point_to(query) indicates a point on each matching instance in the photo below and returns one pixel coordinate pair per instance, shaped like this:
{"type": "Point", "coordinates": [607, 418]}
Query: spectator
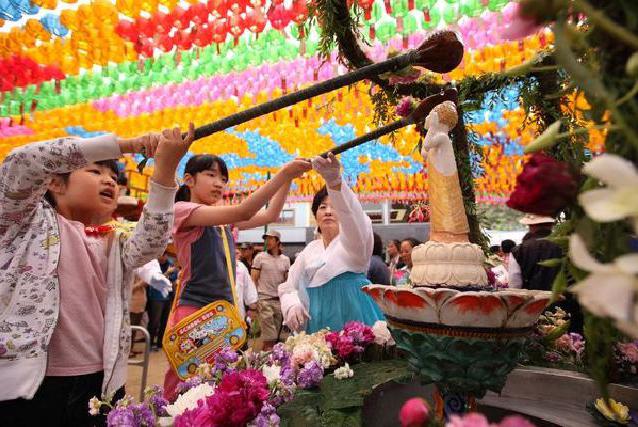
{"type": "Point", "coordinates": [269, 270]}
{"type": "Point", "coordinates": [246, 291]}
{"type": "Point", "coordinates": [147, 275]}
{"type": "Point", "coordinates": [159, 304]}
{"type": "Point", "coordinates": [393, 256]}
{"type": "Point", "coordinates": [524, 270]}
{"type": "Point", "coordinates": [247, 251]}
{"type": "Point", "coordinates": [402, 275]}
{"type": "Point", "coordinates": [378, 272]}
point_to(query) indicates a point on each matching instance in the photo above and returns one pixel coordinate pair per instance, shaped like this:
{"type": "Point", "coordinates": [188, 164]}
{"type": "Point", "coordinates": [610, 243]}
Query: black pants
{"type": "Point", "coordinates": [59, 402]}
{"type": "Point", "coordinates": [157, 317]}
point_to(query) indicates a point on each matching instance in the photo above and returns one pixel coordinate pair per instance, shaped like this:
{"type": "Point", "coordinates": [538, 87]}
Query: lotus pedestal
{"type": "Point", "coordinates": [465, 342]}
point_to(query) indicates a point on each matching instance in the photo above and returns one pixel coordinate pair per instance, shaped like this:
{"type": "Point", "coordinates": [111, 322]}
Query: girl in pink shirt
{"type": "Point", "coordinates": [200, 220]}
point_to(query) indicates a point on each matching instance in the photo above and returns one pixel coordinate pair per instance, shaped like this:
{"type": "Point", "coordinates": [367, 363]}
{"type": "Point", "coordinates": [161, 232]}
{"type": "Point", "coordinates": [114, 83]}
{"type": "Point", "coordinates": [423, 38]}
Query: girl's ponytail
{"type": "Point", "coordinates": [183, 194]}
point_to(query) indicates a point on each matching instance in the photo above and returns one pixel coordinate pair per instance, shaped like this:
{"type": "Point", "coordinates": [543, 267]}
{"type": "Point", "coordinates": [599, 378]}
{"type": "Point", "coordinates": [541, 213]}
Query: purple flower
{"type": "Point", "coordinates": [223, 359]}
{"type": "Point", "coordinates": [405, 106]}
{"type": "Point", "coordinates": [287, 374]}
{"type": "Point", "coordinates": [121, 417]}
{"type": "Point", "coordinates": [267, 417]}
{"type": "Point", "coordinates": [143, 415]}
{"type": "Point", "coordinates": [552, 356]}
{"type": "Point", "coordinates": [280, 355]}
{"type": "Point", "coordinates": [158, 403]}
{"type": "Point", "coordinates": [192, 382]}
{"type": "Point", "coordinates": [310, 375]}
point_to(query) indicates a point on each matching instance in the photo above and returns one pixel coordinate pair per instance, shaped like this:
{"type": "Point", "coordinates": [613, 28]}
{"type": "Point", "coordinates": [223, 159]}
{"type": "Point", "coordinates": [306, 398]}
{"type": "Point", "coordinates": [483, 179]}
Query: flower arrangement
{"type": "Point", "coordinates": [552, 345]}
{"type": "Point", "coordinates": [351, 341]}
{"type": "Point", "coordinates": [247, 388]}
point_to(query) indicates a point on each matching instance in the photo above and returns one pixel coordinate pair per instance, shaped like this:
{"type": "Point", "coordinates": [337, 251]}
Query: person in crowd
{"type": "Point", "coordinates": [324, 285]}
{"type": "Point", "coordinates": [402, 275]}
{"type": "Point", "coordinates": [497, 273]}
{"type": "Point", "coordinates": [159, 303]}
{"type": "Point", "coordinates": [393, 250]}
{"type": "Point", "coordinates": [269, 270]}
{"type": "Point", "coordinates": [378, 273]}
{"type": "Point", "coordinates": [524, 270]}
{"type": "Point", "coordinates": [147, 278]}
{"type": "Point", "coordinates": [247, 296]}
{"type": "Point", "coordinates": [203, 235]}
{"type": "Point", "coordinates": [68, 269]}
{"type": "Point", "coordinates": [247, 251]}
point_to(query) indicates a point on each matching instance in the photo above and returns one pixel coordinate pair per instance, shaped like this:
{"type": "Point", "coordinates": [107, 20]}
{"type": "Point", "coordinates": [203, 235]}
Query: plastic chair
{"type": "Point", "coordinates": [144, 362]}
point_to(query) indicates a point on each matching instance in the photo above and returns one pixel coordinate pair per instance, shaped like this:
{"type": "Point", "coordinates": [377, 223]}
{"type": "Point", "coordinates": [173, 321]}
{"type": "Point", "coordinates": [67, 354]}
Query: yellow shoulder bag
{"type": "Point", "coordinates": [196, 338]}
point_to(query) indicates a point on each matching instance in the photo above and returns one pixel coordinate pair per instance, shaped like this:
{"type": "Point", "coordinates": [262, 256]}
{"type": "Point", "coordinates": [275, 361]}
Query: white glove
{"type": "Point", "coordinates": [161, 283]}
{"type": "Point", "coordinates": [329, 169]}
{"type": "Point", "coordinates": [296, 317]}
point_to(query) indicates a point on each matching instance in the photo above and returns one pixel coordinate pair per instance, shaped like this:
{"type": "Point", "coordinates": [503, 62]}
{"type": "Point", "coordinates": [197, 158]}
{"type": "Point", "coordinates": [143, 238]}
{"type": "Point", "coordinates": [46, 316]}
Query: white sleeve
{"type": "Point", "coordinates": [289, 290]}
{"type": "Point", "coordinates": [250, 291]}
{"type": "Point", "coordinates": [356, 227]}
{"type": "Point", "coordinates": [514, 273]}
{"type": "Point", "coordinates": [151, 273]}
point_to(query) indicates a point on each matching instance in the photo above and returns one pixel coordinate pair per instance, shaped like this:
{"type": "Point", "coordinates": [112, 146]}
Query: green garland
{"type": "Point", "coordinates": [595, 59]}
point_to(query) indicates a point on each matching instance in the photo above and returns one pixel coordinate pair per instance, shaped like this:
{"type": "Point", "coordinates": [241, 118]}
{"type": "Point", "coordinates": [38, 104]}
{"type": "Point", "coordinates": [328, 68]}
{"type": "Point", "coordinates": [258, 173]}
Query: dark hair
{"type": "Point", "coordinates": [413, 242]}
{"type": "Point", "coordinates": [396, 243]}
{"type": "Point", "coordinates": [320, 196]}
{"type": "Point", "coordinates": [377, 249]}
{"type": "Point", "coordinates": [111, 164]}
{"type": "Point", "coordinates": [507, 246]}
{"type": "Point", "coordinates": [196, 164]}
{"type": "Point", "coordinates": [494, 249]}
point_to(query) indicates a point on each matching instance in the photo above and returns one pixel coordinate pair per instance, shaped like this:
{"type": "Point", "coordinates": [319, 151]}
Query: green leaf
{"type": "Point", "coordinates": [545, 140]}
{"type": "Point", "coordinates": [340, 394]}
{"type": "Point", "coordinates": [560, 284]}
{"type": "Point", "coordinates": [553, 262]}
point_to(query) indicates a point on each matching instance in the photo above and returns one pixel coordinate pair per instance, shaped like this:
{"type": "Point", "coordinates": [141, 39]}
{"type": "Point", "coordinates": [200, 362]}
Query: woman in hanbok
{"type": "Point", "coordinates": [323, 289]}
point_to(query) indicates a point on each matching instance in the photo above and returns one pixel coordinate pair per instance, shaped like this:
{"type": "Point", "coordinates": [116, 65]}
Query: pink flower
{"type": "Point", "coordinates": [414, 413]}
{"type": "Point", "coordinates": [302, 354]}
{"type": "Point", "coordinates": [197, 417]}
{"type": "Point", "coordinates": [629, 351]}
{"type": "Point", "coordinates": [520, 26]}
{"type": "Point", "coordinates": [238, 399]}
{"type": "Point", "coordinates": [564, 343]}
{"type": "Point", "coordinates": [515, 421]}
{"type": "Point", "coordinates": [472, 419]}
{"type": "Point", "coordinates": [405, 106]}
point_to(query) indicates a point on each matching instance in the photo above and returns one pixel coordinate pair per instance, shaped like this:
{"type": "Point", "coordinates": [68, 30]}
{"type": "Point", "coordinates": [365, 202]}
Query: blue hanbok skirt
{"type": "Point", "coordinates": [339, 301]}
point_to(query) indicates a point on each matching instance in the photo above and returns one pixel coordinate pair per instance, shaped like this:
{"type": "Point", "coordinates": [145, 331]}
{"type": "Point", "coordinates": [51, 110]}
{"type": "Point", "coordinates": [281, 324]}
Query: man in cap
{"type": "Point", "coordinates": [524, 270]}
{"type": "Point", "coordinates": [269, 270]}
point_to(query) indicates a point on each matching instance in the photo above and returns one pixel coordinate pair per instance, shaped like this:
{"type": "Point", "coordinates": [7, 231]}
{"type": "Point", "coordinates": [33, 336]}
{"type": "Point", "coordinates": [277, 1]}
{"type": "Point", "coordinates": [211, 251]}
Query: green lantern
{"type": "Point", "coordinates": [431, 18]}
{"type": "Point", "coordinates": [400, 8]}
{"type": "Point", "coordinates": [385, 30]}
{"type": "Point", "coordinates": [471, 8]}
{"type": "Point", "coordinates": [450, 14]}
{"type": "Point", "coordinates": [496, 5]}
{"type": "Point", "coordinates": [410, 25]}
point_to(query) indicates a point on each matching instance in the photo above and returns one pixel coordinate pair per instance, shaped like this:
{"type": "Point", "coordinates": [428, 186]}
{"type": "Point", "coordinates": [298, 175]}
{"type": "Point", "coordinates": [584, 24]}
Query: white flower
{"type": "Point", "coordinates": [189, 399]}
{"type": "Point", "coordinates": [382, 335]}
{"type": "Point", "coordinates": [94, 406]}
{"type": "Point", "coordinates": [610, 290]}
{"type": "Point", "coordinates": [272, 373]}
{"type": "Point", "coordinates": [619, 199]}
{"type": "Point", "coordinates": [344, 372]}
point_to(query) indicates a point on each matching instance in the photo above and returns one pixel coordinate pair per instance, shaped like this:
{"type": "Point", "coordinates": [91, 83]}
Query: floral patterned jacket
{"type": "Point", "coordinates": [29, 252]}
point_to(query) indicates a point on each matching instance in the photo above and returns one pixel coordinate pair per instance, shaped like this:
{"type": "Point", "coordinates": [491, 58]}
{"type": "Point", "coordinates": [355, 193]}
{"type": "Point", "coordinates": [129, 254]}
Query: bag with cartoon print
{"type": "Point", "coordinates": [197, 338]}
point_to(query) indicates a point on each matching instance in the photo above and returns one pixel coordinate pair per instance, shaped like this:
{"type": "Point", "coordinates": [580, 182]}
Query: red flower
{"type": "Point", "coordinates": [414, 413]}
{"type": "Point", "coordinates": [544, 187]}
{"type": "Point", "coordinates": [238, 398]}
